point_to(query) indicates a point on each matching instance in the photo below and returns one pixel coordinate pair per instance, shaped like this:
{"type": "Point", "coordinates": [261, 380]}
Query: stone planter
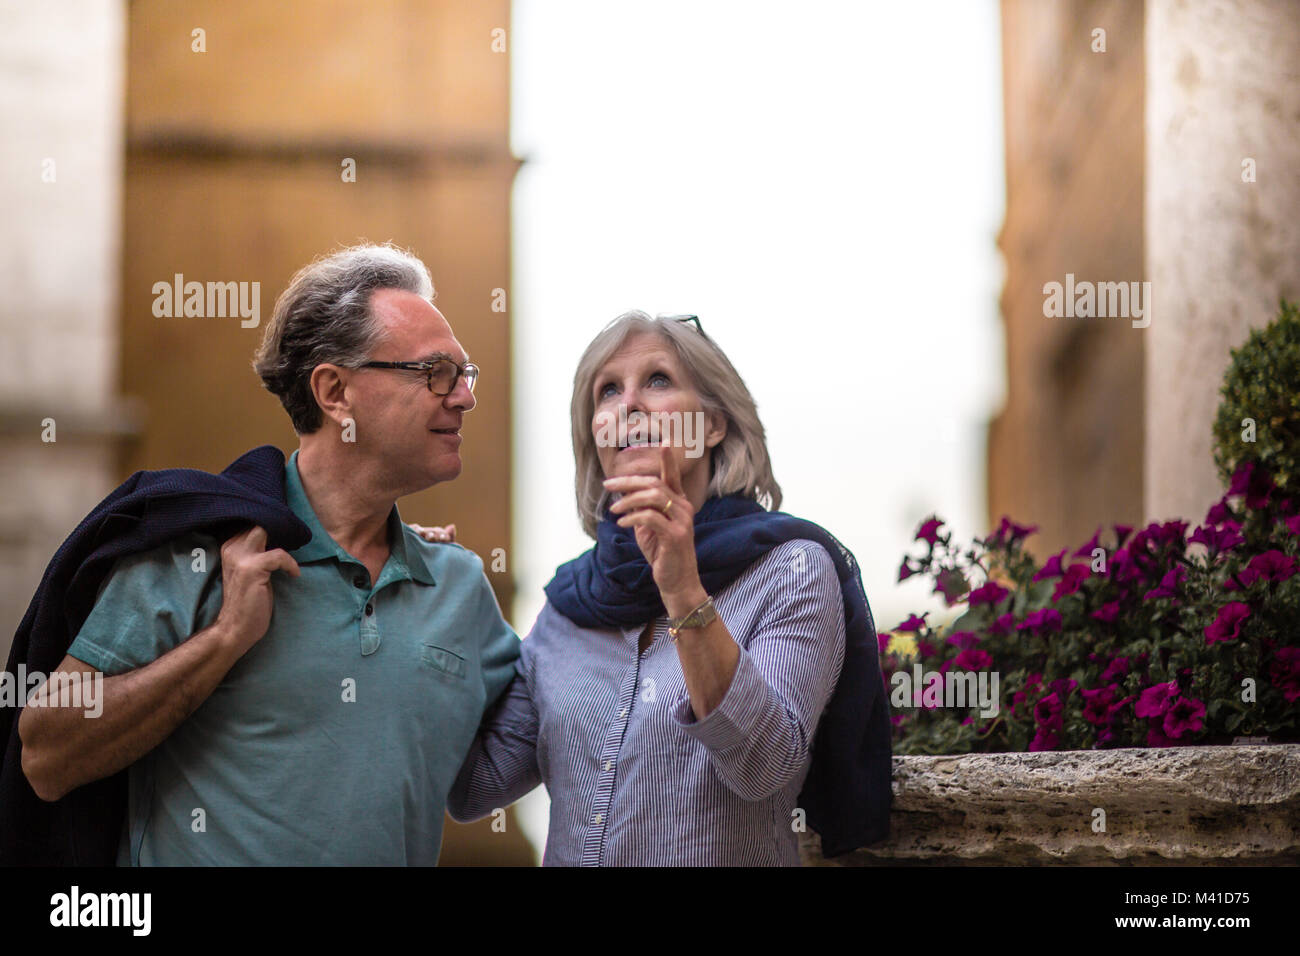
{"type": "Point", "coordinates": [1183, 805]}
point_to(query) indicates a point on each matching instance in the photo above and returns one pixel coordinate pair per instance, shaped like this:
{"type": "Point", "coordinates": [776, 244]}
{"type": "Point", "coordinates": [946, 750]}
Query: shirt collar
{"type": "Point", "coordinates": [403, 561]}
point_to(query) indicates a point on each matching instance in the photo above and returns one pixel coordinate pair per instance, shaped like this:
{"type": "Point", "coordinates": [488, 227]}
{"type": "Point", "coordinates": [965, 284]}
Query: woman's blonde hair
{"type": "Point", "coordinates": [739, 463]}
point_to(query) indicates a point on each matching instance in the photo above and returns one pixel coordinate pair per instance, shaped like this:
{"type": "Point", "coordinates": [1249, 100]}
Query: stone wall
{"type": "Point", "coordinates": [1181, 806]}
{"type": "Point", "coordinates": [1221, 90]}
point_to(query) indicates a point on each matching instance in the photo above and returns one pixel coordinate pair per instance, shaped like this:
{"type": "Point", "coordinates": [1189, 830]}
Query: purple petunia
{"type": "Point", "coordinates": [1071, 582]}
{"type": "Point", "coordinates": [973, 659]}
{"type": "Point", "coordinates": [1117, 668]}
{"type": "Point", "coordinates": [1185, 716]}
{"type": "Point", "coordinates": [1108, 612]}
{"type": "Point", "coordinates": [913, 623]}
{"type": "Point", "coordinates": [929, 531]}
{"type": "Point", "coordinates": [1168, 587]}
{"type": "Point", "coordinates": [990, 593]}
{"type": "Point", "coordinates": [1227, 625]}
{"type": "Point", "coordinates": [1003, 625]}
{"type": "Point", "coordinates": [1286, 673]}
{"type": "Point", "coordinates": [1154, 701]}
{"type": "Point", "coordinates": [1052, 569]}
{"type": "Point", "coordinates": [963, 639]}
{"type": "Point", "coordinates": [1046, 619]}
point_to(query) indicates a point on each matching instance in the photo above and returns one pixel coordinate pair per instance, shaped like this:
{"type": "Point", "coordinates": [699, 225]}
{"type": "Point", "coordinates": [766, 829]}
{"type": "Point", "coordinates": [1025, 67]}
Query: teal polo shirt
{"type": "Point", "coordinates": [335, 739]}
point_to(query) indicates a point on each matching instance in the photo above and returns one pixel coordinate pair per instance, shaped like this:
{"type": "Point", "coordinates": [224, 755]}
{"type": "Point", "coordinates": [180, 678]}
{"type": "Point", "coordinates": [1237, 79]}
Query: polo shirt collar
{"type": "Point", "coordinates": [402, 563]}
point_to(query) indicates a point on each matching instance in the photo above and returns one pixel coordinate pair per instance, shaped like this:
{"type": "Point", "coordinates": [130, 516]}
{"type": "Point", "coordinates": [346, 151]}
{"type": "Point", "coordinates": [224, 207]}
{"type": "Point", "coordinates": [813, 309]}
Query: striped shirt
{"type": "Point", "coordinates": [634, 779]}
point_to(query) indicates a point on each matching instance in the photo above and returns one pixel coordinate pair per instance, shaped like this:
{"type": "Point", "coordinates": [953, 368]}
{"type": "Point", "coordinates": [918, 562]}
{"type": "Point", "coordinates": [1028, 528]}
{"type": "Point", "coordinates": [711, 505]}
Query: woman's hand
{"type": "Point", "coordinates": [435, 533]}
{"type": "Point", "coordinates": [666, 540]}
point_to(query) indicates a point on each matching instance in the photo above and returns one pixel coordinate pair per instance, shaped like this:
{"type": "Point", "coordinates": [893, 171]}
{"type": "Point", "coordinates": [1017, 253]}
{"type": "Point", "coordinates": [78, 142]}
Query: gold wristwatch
{"type": "Point", "coordinates": [702, 616]}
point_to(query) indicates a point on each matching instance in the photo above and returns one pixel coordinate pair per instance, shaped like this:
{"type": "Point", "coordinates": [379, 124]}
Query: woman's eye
{"type": "Point", "coordinates": [605, 391]}
{"type": "Point", "coordinates": [661, 377]}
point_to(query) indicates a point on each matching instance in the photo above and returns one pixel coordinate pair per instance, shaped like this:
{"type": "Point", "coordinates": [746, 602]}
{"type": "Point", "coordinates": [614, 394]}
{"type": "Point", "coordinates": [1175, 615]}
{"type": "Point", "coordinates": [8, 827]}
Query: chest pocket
{"type": "Point", "coordinates": [446, 663]}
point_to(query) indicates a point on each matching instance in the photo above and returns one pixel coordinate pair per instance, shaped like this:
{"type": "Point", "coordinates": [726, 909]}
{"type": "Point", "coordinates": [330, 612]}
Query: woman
{"type": "Point", "coordinates": [678, 693]}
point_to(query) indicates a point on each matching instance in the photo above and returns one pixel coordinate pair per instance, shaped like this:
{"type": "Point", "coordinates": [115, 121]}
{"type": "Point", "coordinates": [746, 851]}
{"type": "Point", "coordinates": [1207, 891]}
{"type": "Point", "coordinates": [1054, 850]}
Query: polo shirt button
{"type": "Point", "coordinates": [623, 712]}
{"type": "Point", "coordinates": [598, 818]}
{"type": "Point", "coordinates": [370, 609]}
{"type": "Point", "coordinates": [360, 582]}
{"type": "Point", "coordinates": [609, 765]}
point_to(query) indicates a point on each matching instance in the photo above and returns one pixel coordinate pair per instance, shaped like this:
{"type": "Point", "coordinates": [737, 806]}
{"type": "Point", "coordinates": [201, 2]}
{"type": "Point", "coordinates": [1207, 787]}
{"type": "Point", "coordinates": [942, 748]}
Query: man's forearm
{"type": "Point", "coordinates": [64, 748]}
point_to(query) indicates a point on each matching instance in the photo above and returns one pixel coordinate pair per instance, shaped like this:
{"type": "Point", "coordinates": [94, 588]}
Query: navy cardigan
{"type": "Point", "coordinates": [149, 509]}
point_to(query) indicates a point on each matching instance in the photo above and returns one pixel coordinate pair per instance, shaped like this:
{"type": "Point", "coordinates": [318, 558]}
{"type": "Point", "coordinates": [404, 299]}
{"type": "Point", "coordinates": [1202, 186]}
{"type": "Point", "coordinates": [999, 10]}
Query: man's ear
{"type": "Point", "coordinates": [329, 387]}
{"type": "Point", "coordinates": [716, 423]}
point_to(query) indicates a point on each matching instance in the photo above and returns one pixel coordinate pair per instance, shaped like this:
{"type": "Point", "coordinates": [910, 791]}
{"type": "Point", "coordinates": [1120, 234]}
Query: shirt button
{"type": "Point", "coordinates": [609, 765]}
{"type": "Point", "coordinates": [623, 712]}
{"type": "Point", "coordinates": [370, 609]}
{"type": "Point", "coordinates": [598, 818]}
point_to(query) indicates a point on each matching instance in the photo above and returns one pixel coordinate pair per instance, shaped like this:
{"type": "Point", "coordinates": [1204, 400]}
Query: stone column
{"type": "Point", "coordinates": [1223, 88]}
{"type": "Point", "coordinates": [62, 71]}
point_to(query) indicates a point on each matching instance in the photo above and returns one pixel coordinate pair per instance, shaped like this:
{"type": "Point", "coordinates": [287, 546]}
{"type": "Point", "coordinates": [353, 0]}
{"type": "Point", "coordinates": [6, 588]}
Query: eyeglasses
{"type": "Point", "coordinates": [441, 375]}
{"type": "Point", "coordinates": [683, 318]}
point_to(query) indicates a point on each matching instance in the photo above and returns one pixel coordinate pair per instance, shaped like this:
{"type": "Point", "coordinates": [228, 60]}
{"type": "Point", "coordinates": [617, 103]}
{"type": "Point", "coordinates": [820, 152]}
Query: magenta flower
{"type": "Point", "coordinates": [1003, 625]}
{"type": "Point", "coordinates": [1046, 619]}
{"type": "Point", "coordinates": [1227, 626]}
{"type": "Point", "coordinates": [1272, 565]}
{"type": "Point", "coordinates": [1286, 673]}
{"type": "Point", "coordinates": [905, 570]}
{"type": "Point", "coordinates": [929, 531]}
{"type": "Point", "coordinates": [990, 593]}
{"type": "Point", "coordinates": [1044, 739]}
{"type": "Point", "coordinates": [1009, 532]}
{"type": "Point", "coordinates": [1062, 686]}
{"type": "Point", "coordinates": [1185, 716]}
{"type": "Point", "coordinates": [1122, 531]}
{"type": "Point", "coordinates": [1168, 587]}
{"type": "Point", "coordinates": [1254, 483]}
{"type": "Point", "coordinates": [963, 639]}
{"type": "Point", "coordinates": [1052, 569]}
{"type": "Point", "coordinates": [973, 659]}
{"type": "Point", "coordinates": [1219, 512]}
{"type": "Point", "coordinates": [1086, 549]}
{"type": "Point", "coordinates": [1293, 524]}
{"type": "Point", "coordinates": [913, 623]}
{"type": "Point", "coordinates": [1108, 612]}
{"type": "Point", "coordinates": [1218, 540]}
{"type": "Point", "coordinates": [1073, 579]}
{"type": "Point", "coordinates": [1155, 701]}
{"type": "Point", "coordinates": [883, 641]}
{"type": "Point", "coordinates": [1117, 668]}
{"type": "Point", "coordinates": [1156, 736]}
{"type": "Point", "coordinates": [926, 648]}
{"type": "Point", "coordinates": [1096, 707]}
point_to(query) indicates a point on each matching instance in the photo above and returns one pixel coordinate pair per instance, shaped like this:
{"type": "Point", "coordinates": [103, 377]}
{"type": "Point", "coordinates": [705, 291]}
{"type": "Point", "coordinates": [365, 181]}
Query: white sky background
{"type": "Point", "coordinates": [822, 183]}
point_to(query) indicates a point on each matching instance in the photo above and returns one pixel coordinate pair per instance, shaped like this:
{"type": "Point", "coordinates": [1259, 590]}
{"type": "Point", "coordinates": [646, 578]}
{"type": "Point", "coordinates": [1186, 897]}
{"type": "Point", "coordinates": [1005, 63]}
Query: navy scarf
{"type": "Point", "coordinates": [846, 794]}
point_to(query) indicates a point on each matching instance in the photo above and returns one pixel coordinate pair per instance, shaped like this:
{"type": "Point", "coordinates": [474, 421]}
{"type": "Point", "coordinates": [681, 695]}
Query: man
{"type": "Point", "coordinates": [311, 706]}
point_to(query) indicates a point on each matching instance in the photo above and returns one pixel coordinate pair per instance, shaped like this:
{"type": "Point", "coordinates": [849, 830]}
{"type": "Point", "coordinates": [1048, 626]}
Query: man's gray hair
{"type": "Point", "coordinates": [324, 316]}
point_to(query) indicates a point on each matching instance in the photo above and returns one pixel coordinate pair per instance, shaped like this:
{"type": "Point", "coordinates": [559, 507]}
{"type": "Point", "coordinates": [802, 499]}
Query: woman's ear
{"type": "Point", "coordinates": [716, 425]}
{"type": "Point", "coordinates": [329, 388]}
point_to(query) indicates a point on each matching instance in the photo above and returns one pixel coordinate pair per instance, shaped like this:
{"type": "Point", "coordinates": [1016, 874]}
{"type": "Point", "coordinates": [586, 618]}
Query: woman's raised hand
{"type": "Point", "coordinates": [664, 522]}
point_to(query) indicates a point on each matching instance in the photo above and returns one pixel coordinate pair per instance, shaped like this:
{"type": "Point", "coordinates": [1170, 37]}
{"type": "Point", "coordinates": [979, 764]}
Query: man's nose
{"type": "Point", "coordinates": [460, 396]}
